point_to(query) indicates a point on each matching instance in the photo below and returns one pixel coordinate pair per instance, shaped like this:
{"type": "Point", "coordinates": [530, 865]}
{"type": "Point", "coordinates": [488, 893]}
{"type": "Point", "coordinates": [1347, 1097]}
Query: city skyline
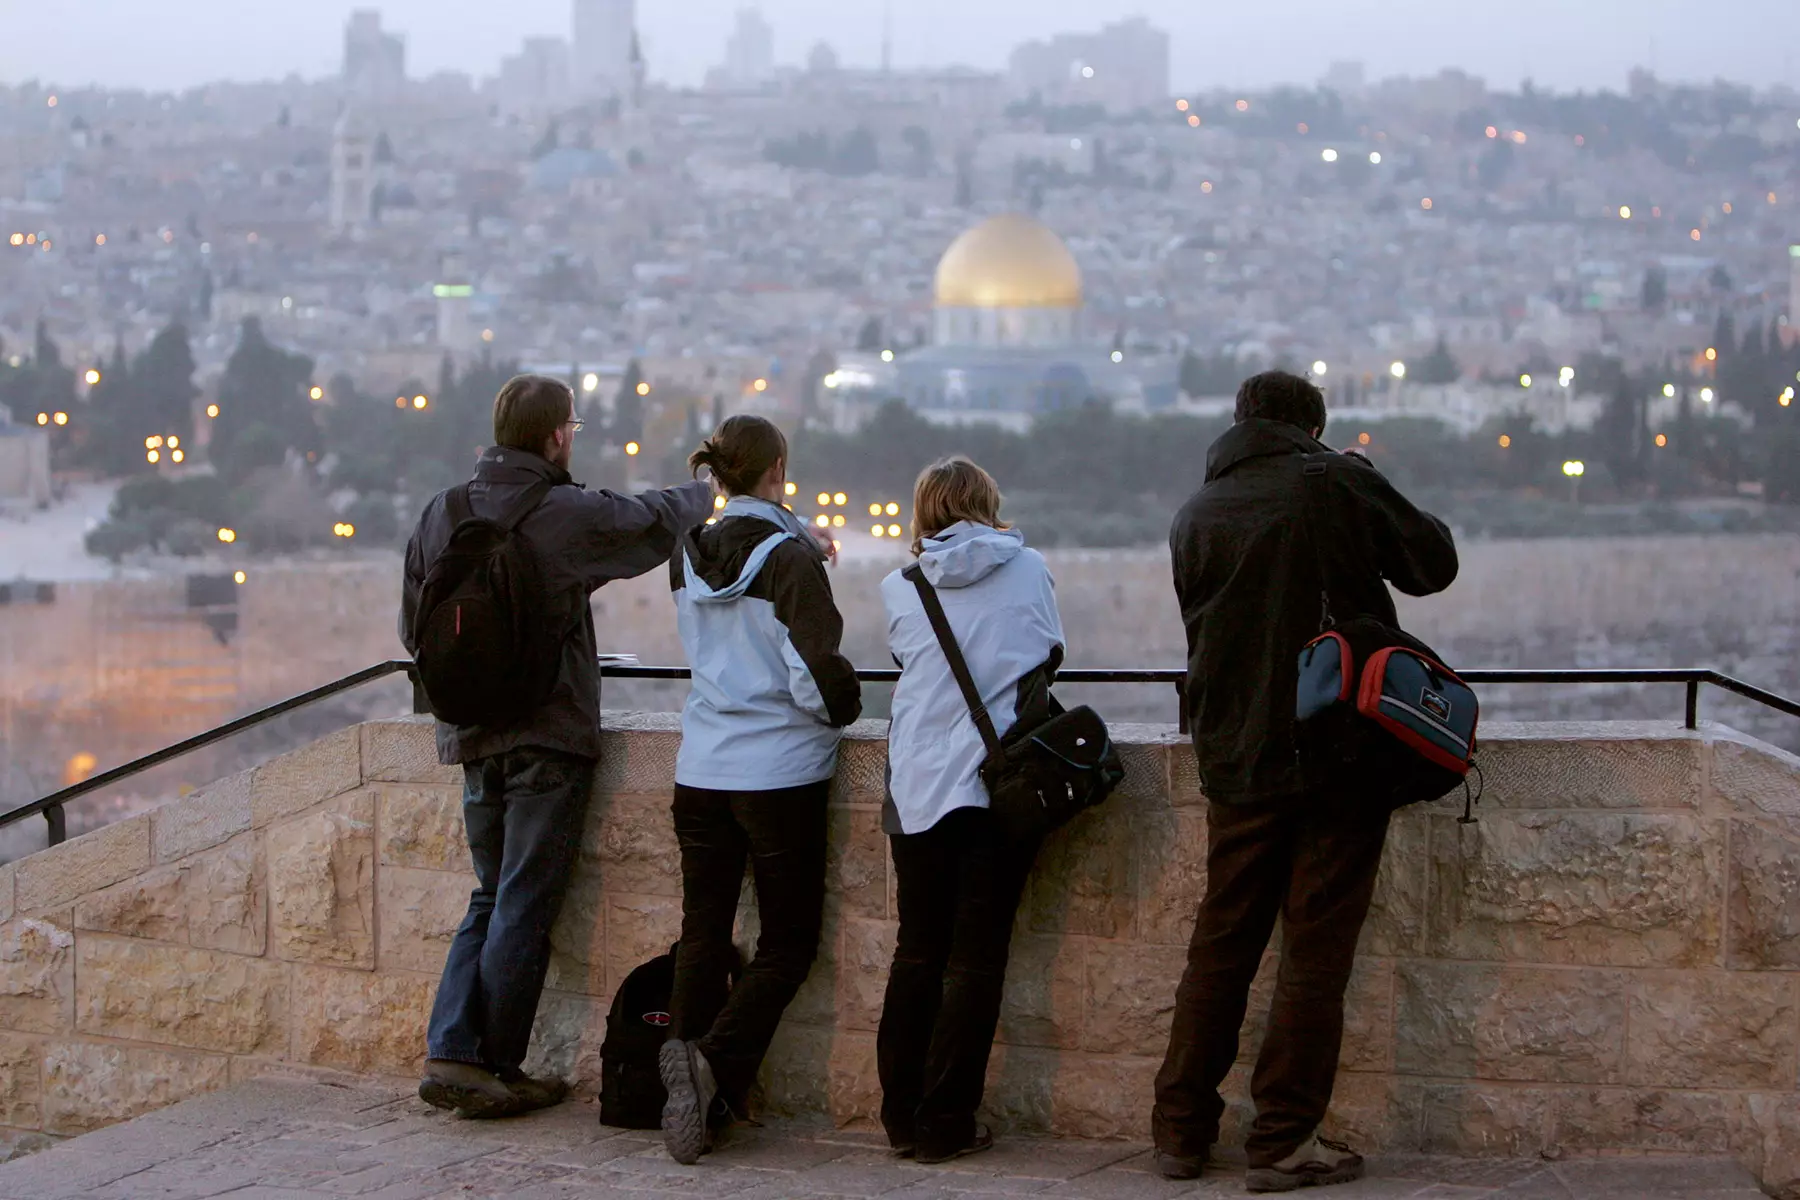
{"type": "Point", "coordinates": [190, 42]}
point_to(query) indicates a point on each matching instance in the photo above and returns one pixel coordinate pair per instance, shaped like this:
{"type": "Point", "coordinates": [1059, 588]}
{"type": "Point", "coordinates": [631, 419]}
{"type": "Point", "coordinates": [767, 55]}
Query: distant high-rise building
{"type": "Point", "coordinates": [354, 172]}
{"type": "Point", "coordinates": [605, 60]}
{"type": "Point", "coordinates": [1123, 67]}
{"type": "Point", "coordinates": [1346, 78]}
{"type": "Point", "coordinates": [750, 52]}
{"type": "Point", "coordinates": [536, 79]}
{"type": "Point", "coordinates": [374, 60]}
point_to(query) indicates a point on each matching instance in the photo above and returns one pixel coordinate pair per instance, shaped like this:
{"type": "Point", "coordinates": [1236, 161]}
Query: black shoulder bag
{"type": "Point", "coordinates": [1050, 767]}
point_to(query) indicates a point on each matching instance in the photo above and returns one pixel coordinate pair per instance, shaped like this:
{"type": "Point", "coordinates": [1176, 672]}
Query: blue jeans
{"type": "Point", "coordinates": [524, 811]}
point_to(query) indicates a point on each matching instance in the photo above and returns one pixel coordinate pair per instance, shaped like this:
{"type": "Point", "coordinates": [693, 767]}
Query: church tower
{"type": "Point", "coordinates": [353, 173]}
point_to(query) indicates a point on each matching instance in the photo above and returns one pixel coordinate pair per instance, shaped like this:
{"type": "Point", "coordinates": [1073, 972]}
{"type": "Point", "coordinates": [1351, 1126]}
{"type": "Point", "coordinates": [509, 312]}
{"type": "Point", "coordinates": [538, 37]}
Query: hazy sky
{"type": "Point", "coordinates": [1558, 43]}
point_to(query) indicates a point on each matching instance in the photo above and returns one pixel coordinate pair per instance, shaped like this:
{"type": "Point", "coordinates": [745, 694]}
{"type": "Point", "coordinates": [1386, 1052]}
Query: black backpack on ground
{"type": "Point", "coordinates": [631, 1086]}
{"type": "Point", "coordinates": [1052, 764]}
{"type": "Point", "coordinates": [489, 646]}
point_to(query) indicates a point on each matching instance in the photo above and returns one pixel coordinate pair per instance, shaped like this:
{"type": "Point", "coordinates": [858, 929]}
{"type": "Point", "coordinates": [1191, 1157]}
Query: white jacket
{"type": "Point", "coordinates": [1001, 602]}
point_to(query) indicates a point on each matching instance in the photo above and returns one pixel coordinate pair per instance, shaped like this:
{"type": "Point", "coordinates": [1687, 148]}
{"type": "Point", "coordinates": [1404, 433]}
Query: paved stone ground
{"type": "Point", "coordinates": [304, 1141]}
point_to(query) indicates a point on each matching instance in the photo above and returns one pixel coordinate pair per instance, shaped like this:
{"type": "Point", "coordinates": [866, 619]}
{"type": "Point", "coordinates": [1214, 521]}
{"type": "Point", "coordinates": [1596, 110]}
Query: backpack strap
{"type": "Point", "coordinates": [457, 506]}
{"type": "Point", "coordinates": [1314, 501]}
{"type": "Point", "coordinates": [959, 667]}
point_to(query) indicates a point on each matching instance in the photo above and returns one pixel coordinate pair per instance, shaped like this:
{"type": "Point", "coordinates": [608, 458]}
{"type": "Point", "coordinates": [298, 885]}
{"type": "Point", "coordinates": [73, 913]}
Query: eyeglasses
{"type": "Point", "coordinates": [575, 424]}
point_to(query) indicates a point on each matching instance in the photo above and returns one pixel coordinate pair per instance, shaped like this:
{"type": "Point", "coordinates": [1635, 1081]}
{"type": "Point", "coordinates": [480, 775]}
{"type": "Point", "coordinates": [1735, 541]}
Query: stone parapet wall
{"type": "Point", "coordinates": [1609, 961]}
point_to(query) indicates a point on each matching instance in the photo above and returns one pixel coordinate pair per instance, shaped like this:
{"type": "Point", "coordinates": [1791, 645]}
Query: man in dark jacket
{"type": "Point", "coordinates": [1279, 844]}
{"type": "Point", "coordinates": [526, 784]}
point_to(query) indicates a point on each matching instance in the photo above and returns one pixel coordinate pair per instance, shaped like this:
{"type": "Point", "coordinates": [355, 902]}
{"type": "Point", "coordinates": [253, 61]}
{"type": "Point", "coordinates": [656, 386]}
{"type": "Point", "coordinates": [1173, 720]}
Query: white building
{"type": "Point", "coordinates": [536, 80]}
{"type": "Point", "coordinates": [1123, 67]}
{"type": "Point", "coordinates": [604, 65]}
{"type": "Point", "coordinates": [750, 52]}
{"type": "Point", "coordinates": [454, 294]}
{"type": "Point", "coordinates": [374, 60]}
{"type": "Point", "coordinates": [353, 172]}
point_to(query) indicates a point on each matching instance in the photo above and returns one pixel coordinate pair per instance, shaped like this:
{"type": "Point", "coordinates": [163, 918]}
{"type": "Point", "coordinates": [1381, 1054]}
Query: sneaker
{"type": "Point", "coordinates": [983, 1140]}
{"type": "Point", "coordinates": [688, 1078]}
{"type": "Point", "coordinates": [1179, 1166]}
{"type": "Point", "coordinates": [1315, 1164]}
{"type": "Point", "coordinates": [467, 1090]}
{"type": "Point", "coordinates": [533, 1094]}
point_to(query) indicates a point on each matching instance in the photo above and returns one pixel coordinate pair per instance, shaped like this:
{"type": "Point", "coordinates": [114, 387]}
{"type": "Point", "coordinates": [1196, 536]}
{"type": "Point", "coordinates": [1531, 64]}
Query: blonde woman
{"type": "Point", "coordinates": [959, 881]}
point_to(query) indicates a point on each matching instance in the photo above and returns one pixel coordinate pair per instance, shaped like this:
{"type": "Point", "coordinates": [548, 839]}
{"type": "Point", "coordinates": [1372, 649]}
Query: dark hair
{"type": "Point", "coordinates": [740, 452]}
{"type": "Point", "coordinates": [1282, 396]}
{"type": "Point", "coordinates": [529, 409]}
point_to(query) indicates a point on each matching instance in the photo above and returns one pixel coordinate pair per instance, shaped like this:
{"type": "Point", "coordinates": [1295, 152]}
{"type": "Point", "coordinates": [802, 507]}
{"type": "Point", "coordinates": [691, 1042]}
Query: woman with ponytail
{"type": "Point", "coordinates": [771, 696]}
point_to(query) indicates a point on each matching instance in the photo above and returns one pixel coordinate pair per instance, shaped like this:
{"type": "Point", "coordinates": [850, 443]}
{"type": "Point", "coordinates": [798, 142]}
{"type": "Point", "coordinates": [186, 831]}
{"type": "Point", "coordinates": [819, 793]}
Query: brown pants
{"type": "Point", "coordinates": [1312, 861]}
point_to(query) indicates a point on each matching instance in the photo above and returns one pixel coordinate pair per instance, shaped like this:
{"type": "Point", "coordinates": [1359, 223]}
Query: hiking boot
{"type": "Point", "coordinates": [983, 1140]}
{"type": "Point", "coordinates": [688, 1078]}
{"type": "Point", "coordinates": [467, 1090]}
{"type": "Point", "coordinates": [1315, 1164]}
{"type": "Point", "coordinates": [1179, 1166]}
{"type": "Point", "coordinates": [533, 1094]}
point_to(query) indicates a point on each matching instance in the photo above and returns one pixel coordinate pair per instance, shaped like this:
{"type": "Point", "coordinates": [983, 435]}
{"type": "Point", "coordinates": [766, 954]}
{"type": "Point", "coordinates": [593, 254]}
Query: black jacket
{"type": "Point", "coordinates": [582, 540]}
{"type": "Point", "coordinates": [1249, 585]}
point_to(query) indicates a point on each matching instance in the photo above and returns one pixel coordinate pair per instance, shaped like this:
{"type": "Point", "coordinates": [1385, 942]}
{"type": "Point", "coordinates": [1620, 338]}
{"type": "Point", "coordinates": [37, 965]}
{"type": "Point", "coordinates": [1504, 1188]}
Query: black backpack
{"type": "Point", "coordinates": [631, 1086]}
{"type": "Point", "coordinates": [489, 650]}
{"type": "Point", "coordinates": [1051, 766]}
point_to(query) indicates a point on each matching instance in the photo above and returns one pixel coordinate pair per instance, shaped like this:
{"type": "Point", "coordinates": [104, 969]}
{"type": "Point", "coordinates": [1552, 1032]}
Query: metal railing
{"type": "Point", "coordinates": [52, 806]}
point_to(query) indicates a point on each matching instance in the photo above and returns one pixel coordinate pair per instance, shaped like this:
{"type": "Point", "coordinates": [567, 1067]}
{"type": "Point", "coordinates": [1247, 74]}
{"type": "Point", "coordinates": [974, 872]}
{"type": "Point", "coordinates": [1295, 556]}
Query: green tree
{"type": "Point", "coordinates": [163, 388]}
{"type": "Point", "coordinates": [264, 410]}
{"type": "Point", "coordinates": [1438, 367]}
{"type": "Point", "coordinates": [1655, 291]}
{"type": "Point", "coordinates": [627, 423]}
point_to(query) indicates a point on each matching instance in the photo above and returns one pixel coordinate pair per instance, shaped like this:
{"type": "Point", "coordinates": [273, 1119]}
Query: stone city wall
{"type": "Point", "coordinates": [1609, 961]}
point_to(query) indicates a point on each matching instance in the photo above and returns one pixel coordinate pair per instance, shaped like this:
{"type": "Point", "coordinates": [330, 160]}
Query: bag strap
{"type": "Point", "coordinates": [1315, 498]}
{"type": "Point", "coordinates": [457, 507]}
{"type": "Point", "coordinates": [959, 667]}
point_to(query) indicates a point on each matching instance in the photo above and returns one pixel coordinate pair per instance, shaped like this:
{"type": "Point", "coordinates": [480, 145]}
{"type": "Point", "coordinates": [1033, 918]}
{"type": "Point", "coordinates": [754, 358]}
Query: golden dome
{"type": "Point", "coordinates": [1008, 261]}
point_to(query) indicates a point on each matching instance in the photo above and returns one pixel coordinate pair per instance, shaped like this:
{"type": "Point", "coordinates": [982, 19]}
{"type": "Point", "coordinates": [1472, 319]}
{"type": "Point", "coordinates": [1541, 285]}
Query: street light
{"type": "Point", "coordinates": [1524, 381]}
{"type": "Point", "coordinates": [1398, 370]}
{"type": "Point", "coordinates": [590, 382]}
{"type": "Point", "coordinates": [1319, 367]}
{"type": "Point", "coordinates": [1706, 395]}
{"type": "Point", "coordinates": [1329, 155]}
{"type": "Point", "coordinates": [1575, 469]}
{"type": "Point", "coordinates": [632, 448]}
{"type": "Point", "coordinates": [893, 510]}
{"type": "Point", "coordinates": [643, 389]}
{"type": "Point", "coordinates": [92, 377]}
{"type": "Point", "coordinates": [212, 411]}
{"type": "Point", "coordinates": [420, 402]}
{"type": "Point", "coordinates": [228, 536]}
{"type": "Point", "coordinates": [317, 393]}
{"type": "Point", "coordinates": [61, 418]}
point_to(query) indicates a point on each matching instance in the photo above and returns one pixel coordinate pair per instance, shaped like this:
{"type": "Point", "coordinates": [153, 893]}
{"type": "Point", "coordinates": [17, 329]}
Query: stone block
{"type": "Point", "coordinates": [1651, 1120]}
{"type": "Point", "coordinates": [1045, 981]}
{"type": "Point", "coordinates": [578, 939]}
{"type": "Point", "coordinates": [153, 906]}
{"type": "Point", "coordinates": [1485, 1120]}
{"type": "Point", "coordinates": [856, 867]}
{"type": "Point", "coordinates": [795, 1079]}
{"type": "Point", "coordinates": [565, 1040]}
{"type": "Point", "coordinates": [1599, 888]}
{"type": "Point", "coordinates": [227, 898]}
{"type": "Point", "coordinates": [37, 975]}
{"type": "Point", "coordinates": [1172, 873]}
{"type": "Point", "coordinates": [1590, 772]}
{"type": "Point", "coordinates": [214, 814]}
{"type": "Point", "coordinates": [57, 876]}
{"type": "Point", "coordinates": [853, 1084]}
{"type": "Point", "coordinates": [355, 1021]}
{"type": "Point", "coordinates": [8, 875]}
{"type": "Point", "coordinates": [1185, 788]}
{"type": "Point", "coordinates": [861, 776]}
{"type": "Point", "coordinates": [632, 838]}
{"type": "Point", "coordinates": [404, 750]}
{"type": "Point", "coordinates": [202, 999]}
{"type": "Point", "coordinates": [638, 928]}
{"type": "Point", "coordinates": [310, 775]}
{"type": "Point", "coordinates": [321, 884]}
{"type": "Point", "coordinates": [1085, 880]}
{"type": "Point", "coordinates": [1370, 1111]}
{"type": "Point", "coordinates": [865, 955]}
{"type": "Point", "coordinates": [1103, 1096]}
{"type": "Point", "coordinates": [639, 762]}
{"type": "Point", "coordinates": [421, 826]}
{"type": "Point", "coordinates": [1774, 1128]}
{"type": "Point", "coordinates": [1130, 997]}
{"type": "Point", "coordinates": [1764, 899]}
{"type": "Point", "coordinates": [88, 1085]}
{"type": "Point", "coordinates": [21, 1081]}
{"type": "Point", "coordinates": [1756, 779]}
{"type": "Point", "coordinates": [1713, 1029]}
{"type": "Point", "coordinates": [418, 913]}
{"type": "Point", "coordinates": [1493, 1022]}
{"type": "Point", "coordinates": [1396, 921]}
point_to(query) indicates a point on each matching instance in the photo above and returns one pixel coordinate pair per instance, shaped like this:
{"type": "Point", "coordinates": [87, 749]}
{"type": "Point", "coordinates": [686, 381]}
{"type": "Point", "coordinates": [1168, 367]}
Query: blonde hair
{"type": "Point", "coordinates": [951, 490]}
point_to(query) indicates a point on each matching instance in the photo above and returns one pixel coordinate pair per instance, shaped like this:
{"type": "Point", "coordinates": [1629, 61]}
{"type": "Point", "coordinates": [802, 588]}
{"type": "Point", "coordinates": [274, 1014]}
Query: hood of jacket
{"type": "Point", "coordinates": [722, 560]}
{"type": "Point", "coordinates": [1257, 438]}
{"type": "Point", "coordinates": [967, 553]}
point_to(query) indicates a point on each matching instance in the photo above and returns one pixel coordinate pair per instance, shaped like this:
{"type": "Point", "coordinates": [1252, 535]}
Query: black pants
{"type": "Point", "coordinates": [1313, 863]}
{"type": "Point", "coordinates": [524, 811]}
{"type": "Point", "coordinates": [959, 888]}
{"type": "Point", "coordinates": [782, 835]}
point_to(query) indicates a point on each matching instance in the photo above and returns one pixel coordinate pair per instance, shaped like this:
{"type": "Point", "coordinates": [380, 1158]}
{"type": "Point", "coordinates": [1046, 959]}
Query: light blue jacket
{"type": "Point", "coordinates": [1001, 603]}
{"type": "Point", "coordinates": [771, 693]}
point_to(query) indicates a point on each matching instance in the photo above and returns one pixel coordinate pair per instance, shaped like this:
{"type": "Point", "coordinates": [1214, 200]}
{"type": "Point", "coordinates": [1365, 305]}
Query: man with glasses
{"type": "Point", "coordinates": [526, 782]}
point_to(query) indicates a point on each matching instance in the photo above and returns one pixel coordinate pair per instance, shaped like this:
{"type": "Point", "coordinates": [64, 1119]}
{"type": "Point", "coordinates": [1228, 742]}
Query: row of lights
{"type": "Point", "coordinates": [419, 403]}
{"type": "Point", "coordinates": [154, 447]}
{"type": "Point", "coordinates": [61, 418]}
